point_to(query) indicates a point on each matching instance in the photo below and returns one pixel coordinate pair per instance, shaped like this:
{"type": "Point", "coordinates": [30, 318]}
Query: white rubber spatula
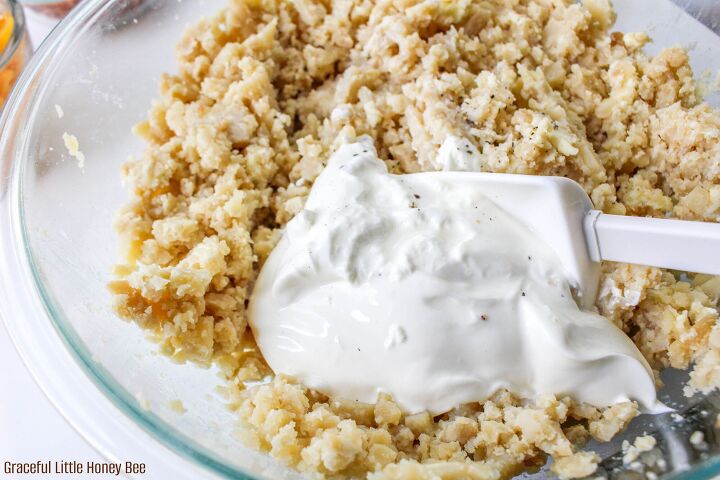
{"type": "Point", "coordinates": [559, 211]}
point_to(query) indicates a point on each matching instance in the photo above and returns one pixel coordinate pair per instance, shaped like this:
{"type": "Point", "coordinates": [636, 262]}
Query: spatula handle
{"type": "Point", "coordinates": [674, 244]}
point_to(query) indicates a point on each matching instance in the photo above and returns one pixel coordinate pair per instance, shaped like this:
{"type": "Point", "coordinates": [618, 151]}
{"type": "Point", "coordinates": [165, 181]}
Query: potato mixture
{"type": "Point", "coordinates": [268, 89]}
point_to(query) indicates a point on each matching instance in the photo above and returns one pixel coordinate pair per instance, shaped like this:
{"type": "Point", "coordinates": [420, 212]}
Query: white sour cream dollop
{"type": "Point", "coordinates": [421, 287]}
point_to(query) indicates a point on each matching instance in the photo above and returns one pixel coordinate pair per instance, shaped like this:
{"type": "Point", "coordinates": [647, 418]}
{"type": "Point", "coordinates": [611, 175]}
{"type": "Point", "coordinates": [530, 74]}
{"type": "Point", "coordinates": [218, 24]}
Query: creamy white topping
{"type": "Point", "coordinates": [419, 286]}
{"type": "Point", "coordinates": [457, 154]}
{"type": "Point", "coordinates": [340, 113]}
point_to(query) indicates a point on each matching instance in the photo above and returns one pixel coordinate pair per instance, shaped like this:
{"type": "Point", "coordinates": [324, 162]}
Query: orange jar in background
{"type": "Point", "coordinates": [15, 46]}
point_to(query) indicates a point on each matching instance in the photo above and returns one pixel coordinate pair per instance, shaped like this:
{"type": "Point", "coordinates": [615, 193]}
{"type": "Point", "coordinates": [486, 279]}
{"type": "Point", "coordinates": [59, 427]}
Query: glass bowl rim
{"type": "Point", "coordinates": [76, 23]}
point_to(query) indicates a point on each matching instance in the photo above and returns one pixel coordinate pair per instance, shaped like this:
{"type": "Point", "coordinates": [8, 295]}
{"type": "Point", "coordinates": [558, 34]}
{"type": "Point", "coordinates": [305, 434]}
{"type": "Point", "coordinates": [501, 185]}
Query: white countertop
{"type": "Point", "coordinates": [30, 427]}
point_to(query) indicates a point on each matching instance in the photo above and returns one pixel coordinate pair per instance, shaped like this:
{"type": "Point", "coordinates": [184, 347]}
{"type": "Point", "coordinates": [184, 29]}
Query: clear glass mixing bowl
{"type": "Point", "coordinates": [101, 68]}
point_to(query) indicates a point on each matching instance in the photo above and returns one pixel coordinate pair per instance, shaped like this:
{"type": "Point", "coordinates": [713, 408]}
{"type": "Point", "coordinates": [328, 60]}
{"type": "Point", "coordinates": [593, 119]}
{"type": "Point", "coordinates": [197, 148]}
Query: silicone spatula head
{"type": "Point", "coordinates": [560, 213]}
{"type": "Point", "coordinates": [554, 208]}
